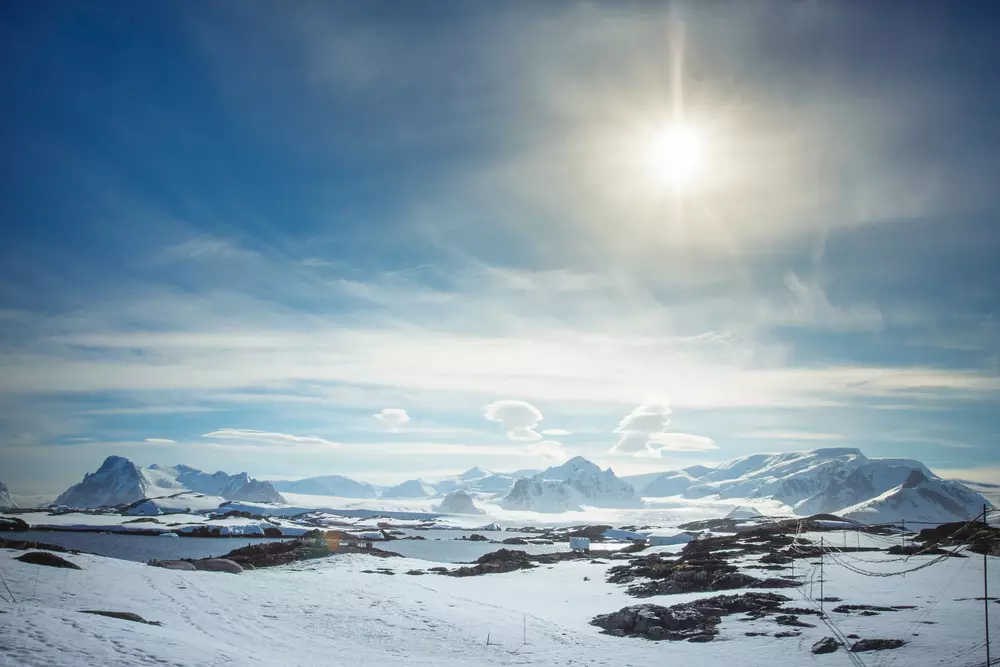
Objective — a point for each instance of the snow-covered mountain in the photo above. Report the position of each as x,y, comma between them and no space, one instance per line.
920,499
465,480
412,488
117,481
329,485
569,486
120,481
5,500
476,480
832,480
458,502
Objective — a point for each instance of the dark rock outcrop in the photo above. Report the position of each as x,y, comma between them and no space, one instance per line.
826,645
695,621
863,645
497,562
792,620
47,559
669,577
122,615
13,523
22,545
308,546
850,608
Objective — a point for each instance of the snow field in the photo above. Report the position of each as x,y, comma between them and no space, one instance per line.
328,610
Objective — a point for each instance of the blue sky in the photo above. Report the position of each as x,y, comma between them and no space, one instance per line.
234,233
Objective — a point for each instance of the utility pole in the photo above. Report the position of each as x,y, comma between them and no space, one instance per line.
822,553
986,586
902,532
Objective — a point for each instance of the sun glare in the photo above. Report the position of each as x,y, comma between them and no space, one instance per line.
677,156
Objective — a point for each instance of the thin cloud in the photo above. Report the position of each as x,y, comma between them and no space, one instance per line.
251,436
393,418
812,308
555,431
160,441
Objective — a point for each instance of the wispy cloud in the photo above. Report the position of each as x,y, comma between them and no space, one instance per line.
206,248
160,441
393,418
253,437
811,307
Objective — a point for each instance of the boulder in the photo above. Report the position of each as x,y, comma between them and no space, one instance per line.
864,645
218,565
121,615
791,620
826,645
865,609
184,565
47,559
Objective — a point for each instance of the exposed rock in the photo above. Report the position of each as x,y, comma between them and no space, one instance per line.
776,558
415,572
826,645
13,523
47,559
668,577
183,565
849,608
792,620
308,546
478,538
788,633
218,565
123,615
502,560
691,621
876,645
514,540
912,549
21,545
982,539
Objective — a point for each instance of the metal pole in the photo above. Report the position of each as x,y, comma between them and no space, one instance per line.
986,588
822,553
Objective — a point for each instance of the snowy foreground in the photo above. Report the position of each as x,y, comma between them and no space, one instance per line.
329,612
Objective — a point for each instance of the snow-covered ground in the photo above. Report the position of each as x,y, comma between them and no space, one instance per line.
328,611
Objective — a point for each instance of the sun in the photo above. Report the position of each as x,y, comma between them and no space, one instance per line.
676,156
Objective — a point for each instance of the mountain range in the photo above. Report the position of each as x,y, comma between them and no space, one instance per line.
569,486
120,481
840,481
